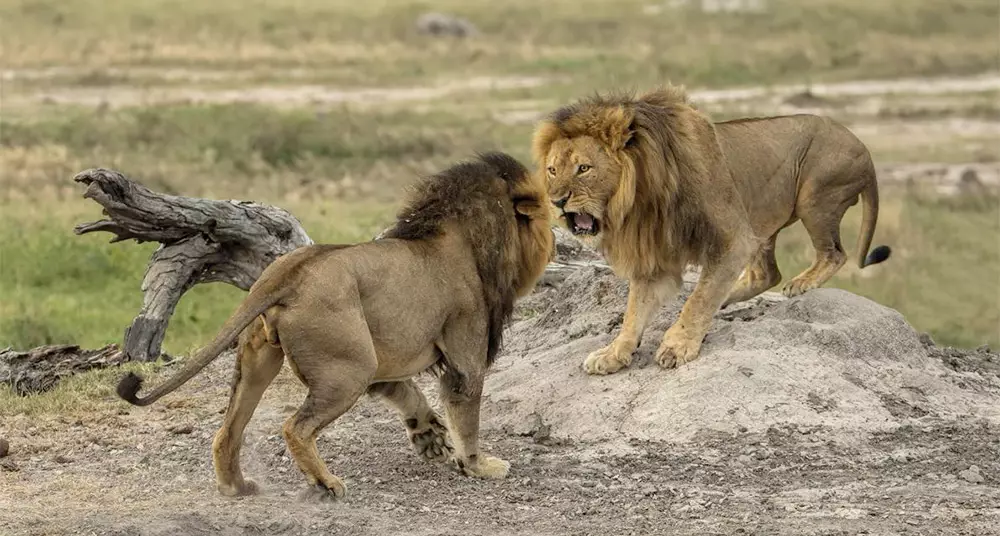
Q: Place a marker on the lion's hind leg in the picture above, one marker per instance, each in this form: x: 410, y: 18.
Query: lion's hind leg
x: 258, y: 361
x: 761, y: 274
x: 824, y: 231
x: 424, y: 427
x: 337, y: 364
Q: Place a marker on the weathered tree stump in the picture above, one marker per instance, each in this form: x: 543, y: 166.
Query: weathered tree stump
x: 202, y: 241
x: 39, y: 369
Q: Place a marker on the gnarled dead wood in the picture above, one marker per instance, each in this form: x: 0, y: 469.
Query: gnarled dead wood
x: 202, y: 241
x: 39, y: 369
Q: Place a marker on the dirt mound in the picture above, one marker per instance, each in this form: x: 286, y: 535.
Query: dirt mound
x: 826, y: 360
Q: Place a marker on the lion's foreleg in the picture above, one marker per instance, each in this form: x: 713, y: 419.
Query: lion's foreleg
x: 257, y: 363
x: 461, y: 395
x: 682, y: 341
x: 645, y: 297
x: 426, y: 430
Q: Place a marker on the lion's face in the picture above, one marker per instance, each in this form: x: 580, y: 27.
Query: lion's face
x: 582, y: 179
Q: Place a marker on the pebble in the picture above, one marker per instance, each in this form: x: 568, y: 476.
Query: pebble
x: 181, y: 429
x: 4, y: 448
x: 971, y: 475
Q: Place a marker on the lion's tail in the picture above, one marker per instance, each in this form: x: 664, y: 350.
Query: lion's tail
x: 869, y: 203
x: 254, y: 305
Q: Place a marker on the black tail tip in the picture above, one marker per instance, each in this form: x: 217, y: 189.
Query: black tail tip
x: 129, y: 387
x: 878, y: 255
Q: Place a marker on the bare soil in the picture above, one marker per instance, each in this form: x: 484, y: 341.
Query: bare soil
x: 918, y: 455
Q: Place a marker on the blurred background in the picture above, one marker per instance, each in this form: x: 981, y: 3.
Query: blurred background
x: 328, y: 108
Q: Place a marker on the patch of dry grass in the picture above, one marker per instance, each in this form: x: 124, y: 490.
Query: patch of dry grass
x: 592, y: 42
x: 80, y: 395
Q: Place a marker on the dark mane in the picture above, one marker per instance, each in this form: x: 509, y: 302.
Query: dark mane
x: 477, y: 193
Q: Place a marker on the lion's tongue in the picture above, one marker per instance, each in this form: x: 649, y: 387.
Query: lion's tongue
x: 584, y: 222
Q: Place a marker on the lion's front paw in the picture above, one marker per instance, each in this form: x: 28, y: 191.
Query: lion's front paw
x: 484, y: 466
x: 430, y: 440
x: 677, y: 349
x: 607, y: 360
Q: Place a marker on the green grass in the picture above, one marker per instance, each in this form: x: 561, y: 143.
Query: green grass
x: 237, y: 150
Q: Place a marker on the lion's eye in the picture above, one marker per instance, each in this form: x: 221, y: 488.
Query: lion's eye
x: 552, y: 170
x: 583, y: 168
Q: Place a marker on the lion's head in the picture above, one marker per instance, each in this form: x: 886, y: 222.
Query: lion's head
x: 613, y: 165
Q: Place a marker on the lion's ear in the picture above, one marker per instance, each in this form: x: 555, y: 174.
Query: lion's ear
x: 545, y: 135
x: 629, y: 137
x: 619, y: 127
x: 530, y: 207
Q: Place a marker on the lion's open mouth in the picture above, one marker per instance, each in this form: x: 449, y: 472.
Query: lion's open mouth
x: 581, y: 223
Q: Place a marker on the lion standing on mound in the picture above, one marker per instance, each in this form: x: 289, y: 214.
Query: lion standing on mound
x: 659, y: 186
x: 434, y: 294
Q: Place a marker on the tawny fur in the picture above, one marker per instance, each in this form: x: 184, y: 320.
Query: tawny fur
x: 670, y: 188
x: 432, y: 295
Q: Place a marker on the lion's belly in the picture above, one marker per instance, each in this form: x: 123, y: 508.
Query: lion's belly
x: 397, y: 367
x: 404, y: 330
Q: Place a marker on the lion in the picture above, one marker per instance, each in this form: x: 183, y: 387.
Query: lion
x: 656, y: 186
x: 433, y: 294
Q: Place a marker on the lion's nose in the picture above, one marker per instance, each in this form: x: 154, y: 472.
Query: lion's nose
x: 560, y: 203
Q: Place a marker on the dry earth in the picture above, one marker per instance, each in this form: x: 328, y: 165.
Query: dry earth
x: 824, y: 414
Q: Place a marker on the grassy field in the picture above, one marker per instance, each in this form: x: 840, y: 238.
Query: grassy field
x: 340, y: 164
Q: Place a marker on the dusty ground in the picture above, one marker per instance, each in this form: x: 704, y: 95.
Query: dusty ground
x: 804, y: 470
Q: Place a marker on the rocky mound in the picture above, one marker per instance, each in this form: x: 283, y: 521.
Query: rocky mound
x: 827, y: 360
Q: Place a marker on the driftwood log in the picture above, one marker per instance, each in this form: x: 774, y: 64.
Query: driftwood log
x: 202, y: 241
x: 39, y: 369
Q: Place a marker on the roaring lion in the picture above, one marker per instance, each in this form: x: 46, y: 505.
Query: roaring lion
x: 433, y: 295
x: 658, y: 186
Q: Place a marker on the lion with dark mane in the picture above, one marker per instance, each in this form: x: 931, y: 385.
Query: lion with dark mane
x: 659, y: 186
x: 433, y: 294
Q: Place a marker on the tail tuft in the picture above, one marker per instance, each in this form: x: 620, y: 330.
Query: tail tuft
x: 878, y: 255
x: 129, y: 387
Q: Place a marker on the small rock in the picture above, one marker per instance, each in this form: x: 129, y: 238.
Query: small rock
x: 535, y: 427
x: 8, y: 464
x: 744, y: 459
x: 648, y: 489
x: 4, y: 448
x: 181, y: 429
x: 971, y: 475
x: 62, y: 459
